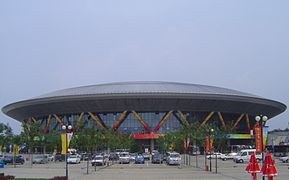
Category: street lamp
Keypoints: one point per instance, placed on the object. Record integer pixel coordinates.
(67, 129)
(261, 120)
(210, 134)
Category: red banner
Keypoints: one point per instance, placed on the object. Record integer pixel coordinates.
(258, 138)
(146, 136)
(186, 144)
(207, 144)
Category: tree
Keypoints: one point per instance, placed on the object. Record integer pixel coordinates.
(31, 134)
(5, 136)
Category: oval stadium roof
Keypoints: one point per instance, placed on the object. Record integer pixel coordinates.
(143, 96)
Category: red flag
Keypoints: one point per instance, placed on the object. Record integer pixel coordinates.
(207, 144)
(258, 138)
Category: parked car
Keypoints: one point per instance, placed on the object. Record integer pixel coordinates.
(213, 155)
(59, 157)
(284, 159)
(85, 157)
(231, 155)
(132, 156)
(50, 157)
(139, 159)
(98, 160)
(40, 159)
(9, 159)
(174, 158)
(155, 152)
(245, 154)
(124, 158)
(157, 158)
(73, 159)
(146, 156)
(113, 157)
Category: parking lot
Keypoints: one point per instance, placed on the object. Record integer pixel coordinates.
(226, 170)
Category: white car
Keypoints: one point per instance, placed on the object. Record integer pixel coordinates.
(284, 159)
(50, 157)
(73, 159)
(231, 155)
(124, 158)
(98, 160)
(174, 158)
(213, 155)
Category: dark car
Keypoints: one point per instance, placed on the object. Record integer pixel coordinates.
(59, 157)
(146, 156)
(113, 157)
(157, 158)
(9, 160)
(139, 159)
(85, 157)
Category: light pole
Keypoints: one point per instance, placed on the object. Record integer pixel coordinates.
(67, 129)
(261, 120)
(210, 134)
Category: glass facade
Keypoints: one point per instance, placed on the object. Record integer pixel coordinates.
(132, 125)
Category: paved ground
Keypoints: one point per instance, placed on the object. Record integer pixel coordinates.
(226, 170)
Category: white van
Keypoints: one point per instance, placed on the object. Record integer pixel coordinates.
(245, 154)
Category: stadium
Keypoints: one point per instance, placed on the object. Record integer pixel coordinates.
(146, 110)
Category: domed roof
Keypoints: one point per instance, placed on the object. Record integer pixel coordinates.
(144, 87)
(143, 96)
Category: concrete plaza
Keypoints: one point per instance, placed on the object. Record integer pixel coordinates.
(226, 170)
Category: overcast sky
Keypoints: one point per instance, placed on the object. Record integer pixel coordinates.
(51, 45)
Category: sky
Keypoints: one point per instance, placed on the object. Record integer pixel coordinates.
(50, 45)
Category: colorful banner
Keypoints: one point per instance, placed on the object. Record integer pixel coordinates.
(265, 134)
(63, 143)
(258, 139)
(69, 137)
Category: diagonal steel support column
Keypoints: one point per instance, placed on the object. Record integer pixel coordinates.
(248, 122)
(164, 119)
(142, 122)
(120, 120)
(207, 119)
(58, 119)
(183, 119)
(79, 120)
(237, 121)
(222, 120)
(97, 120)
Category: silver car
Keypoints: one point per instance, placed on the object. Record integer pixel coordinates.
(40, 159)
(174, 158)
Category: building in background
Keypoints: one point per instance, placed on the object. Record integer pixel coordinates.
(146, 110)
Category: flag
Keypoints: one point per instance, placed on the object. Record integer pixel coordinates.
(63, 143)
(265, 135)
(15, 149)
(258, 140)
(69, 137)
